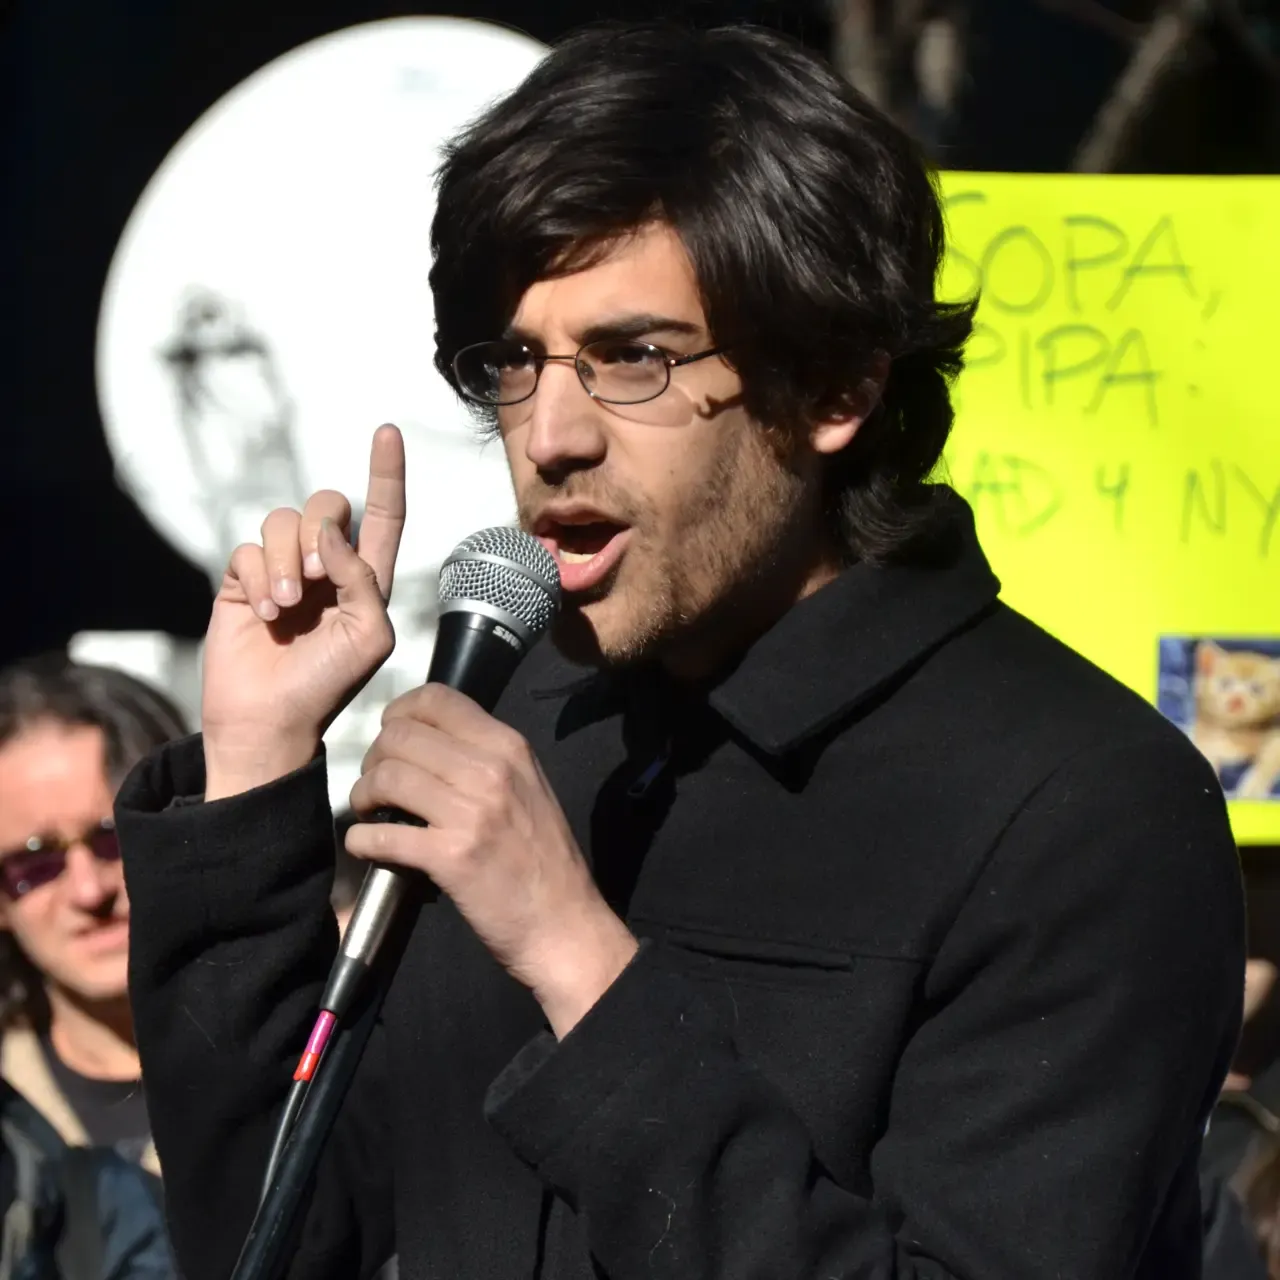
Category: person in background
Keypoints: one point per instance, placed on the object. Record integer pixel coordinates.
(1259, 985)
(69, 733)
(1258, 1185)
(1240, 1166)
(1245, 1123)
(73, 1213)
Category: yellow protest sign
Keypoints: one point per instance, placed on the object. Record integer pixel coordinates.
(1118, 437)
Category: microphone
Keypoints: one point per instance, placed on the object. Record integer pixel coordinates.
(499, 591)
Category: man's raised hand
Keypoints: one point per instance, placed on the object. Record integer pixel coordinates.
(298, 626)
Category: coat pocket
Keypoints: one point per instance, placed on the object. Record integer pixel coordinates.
(826, 1028)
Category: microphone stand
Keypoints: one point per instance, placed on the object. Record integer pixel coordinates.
(268, 1245)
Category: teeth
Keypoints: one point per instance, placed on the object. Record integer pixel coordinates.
(576, 557)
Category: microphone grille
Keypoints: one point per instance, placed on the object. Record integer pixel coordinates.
(503, 569)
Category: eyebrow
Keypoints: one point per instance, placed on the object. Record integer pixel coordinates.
(620, 328)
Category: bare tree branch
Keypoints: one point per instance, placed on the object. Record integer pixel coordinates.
(857, 53)
(1235, 22)
(1093, 13)
(1156, 55)
(900, 52)
(939, 62)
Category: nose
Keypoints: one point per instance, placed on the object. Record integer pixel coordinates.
(88, 882)
(566, 431)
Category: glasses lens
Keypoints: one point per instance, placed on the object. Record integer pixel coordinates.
(30, 868)
(623, 372)
(104, 842)
(496, 372)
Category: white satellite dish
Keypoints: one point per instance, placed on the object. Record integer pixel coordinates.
(267, 307)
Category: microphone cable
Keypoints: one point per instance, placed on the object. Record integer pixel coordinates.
(499, 590)
(381, 895)
(270, 1239)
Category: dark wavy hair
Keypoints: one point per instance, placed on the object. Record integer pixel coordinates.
(812, 221)
(134, 719)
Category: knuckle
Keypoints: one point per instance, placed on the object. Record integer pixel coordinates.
(247, 556)
(493, 776)
(470, 814)
(511, 746)
(460, 843)
(434, 695)
(362, 582)
(419, 704)
(382, 778)
(279, 519)
(398, 735)
(400, 707)
(327, 502)
(371, 757)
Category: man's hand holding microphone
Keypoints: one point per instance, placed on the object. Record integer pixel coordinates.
(299, 625)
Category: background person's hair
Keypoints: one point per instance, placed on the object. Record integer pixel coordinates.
(812, 222)
(134, 718)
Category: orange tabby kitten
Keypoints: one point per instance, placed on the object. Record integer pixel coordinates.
(1238, 715)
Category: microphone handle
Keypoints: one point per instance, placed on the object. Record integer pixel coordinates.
(476, 654)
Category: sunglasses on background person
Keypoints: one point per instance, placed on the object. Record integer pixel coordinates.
(42, 859)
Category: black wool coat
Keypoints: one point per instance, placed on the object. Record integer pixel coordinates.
(942, 968)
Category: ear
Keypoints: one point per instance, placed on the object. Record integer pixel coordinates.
(835, 429)
(1207, 655)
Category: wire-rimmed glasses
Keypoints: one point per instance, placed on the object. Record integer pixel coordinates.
(611, 370)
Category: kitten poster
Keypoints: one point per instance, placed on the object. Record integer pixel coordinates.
(1225, 693)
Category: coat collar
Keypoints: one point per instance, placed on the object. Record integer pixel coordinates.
(842, 646)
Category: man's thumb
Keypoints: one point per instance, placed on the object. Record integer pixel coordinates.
(355, 581)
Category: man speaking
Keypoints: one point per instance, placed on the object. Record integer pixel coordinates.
(804, 911)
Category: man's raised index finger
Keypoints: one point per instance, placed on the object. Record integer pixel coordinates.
(382, 522)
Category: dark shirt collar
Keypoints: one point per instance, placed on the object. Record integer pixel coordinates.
(849, 640)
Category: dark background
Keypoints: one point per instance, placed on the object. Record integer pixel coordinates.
(93, 95)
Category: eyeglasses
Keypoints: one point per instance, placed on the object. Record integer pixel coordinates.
(613, 371)
(39, 861)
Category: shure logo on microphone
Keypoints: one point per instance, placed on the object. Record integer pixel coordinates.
(503, 634)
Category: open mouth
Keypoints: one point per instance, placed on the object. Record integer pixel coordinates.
(586, 544)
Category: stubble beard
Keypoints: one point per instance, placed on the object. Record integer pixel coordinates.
(695, 596)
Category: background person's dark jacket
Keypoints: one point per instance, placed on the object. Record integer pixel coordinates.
(944, 969)
(73, 1213)
(1231, 1247)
